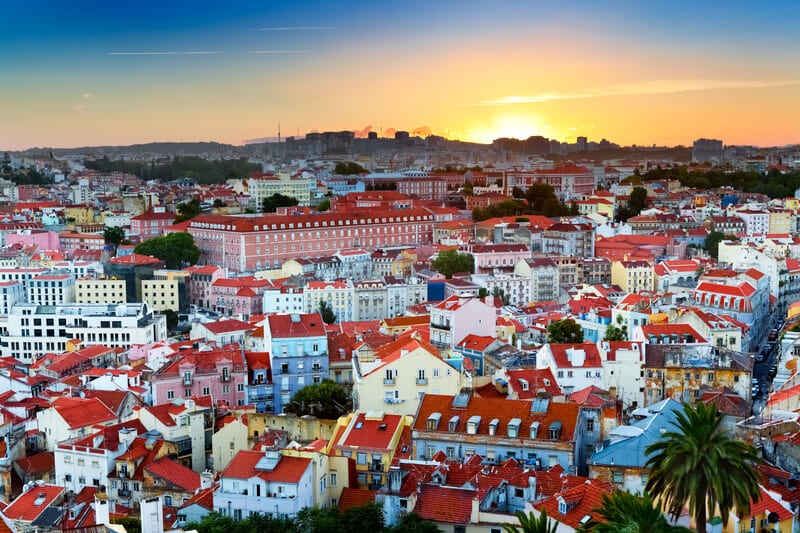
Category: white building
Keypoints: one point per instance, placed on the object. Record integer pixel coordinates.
(456, 317)
(33, 330)
(88, 461)
(623, 362)
(52, 289)
(575, 366)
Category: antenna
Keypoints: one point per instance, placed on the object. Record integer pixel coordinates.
(279, 132)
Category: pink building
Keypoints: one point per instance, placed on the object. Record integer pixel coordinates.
(150, 224)
(201, 279)
(239, 296)
(490, 257)
(569, 181)
(43, 240)
(72, 241)
(250, 243)
(218, 371)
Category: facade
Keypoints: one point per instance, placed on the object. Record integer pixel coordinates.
(161, 294)
(264, 482)
(566, 238)
(492, 257)
(100, 291)
(456, 317)
(35, 330)
(575, 366)
(298, 348)
(623, 363)
(541, 433)
(543, 275)
(633, 276)
(11, 294)
(201, 279)
(251, 243)
(395, 378)
(570, 182)
(53, 289)
(151, 224)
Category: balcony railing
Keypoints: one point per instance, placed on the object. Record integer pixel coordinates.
(389, 381)
(441, 326)
(124, 493)
(376, 467)
(422, 381)
(225, 377)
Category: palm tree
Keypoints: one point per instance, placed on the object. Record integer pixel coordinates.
(700, 466)
(530, 523)
(624, 512)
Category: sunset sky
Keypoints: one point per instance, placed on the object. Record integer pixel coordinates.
(96, 73)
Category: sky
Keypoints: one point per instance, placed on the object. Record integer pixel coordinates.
(83, 73)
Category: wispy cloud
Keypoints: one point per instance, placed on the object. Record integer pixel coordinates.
(168, 53)
(642, 88)
(279, 51)
(86, 96)
(297, 28)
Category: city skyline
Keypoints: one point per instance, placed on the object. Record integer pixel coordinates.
(97, 74)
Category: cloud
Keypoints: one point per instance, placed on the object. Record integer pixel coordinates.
(79, 107)
(279, 51)
(296, 28)
(86, 96)
(167, 53)
(642, 88)
(360, 134)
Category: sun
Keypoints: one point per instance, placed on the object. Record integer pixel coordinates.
(513, 126)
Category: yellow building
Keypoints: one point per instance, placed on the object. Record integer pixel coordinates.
(769, 513)
(780, 221)
(161, 294)
(79, 214)
(371, 439)
(400, 324)
(332, 472)
(633, 276)
(100, 291)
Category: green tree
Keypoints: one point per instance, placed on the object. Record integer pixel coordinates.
(564, 331)
(627, 513)
(618, 332)
(497, 292)
(272, 203)
(319, 520)
(698, 465)
(413, 523)
(114, 236)
(368, 517)
(637, 200)
(538, 194)
(324, 205)
(327, 400)
(187, 210)
(328, 316)
(711, 242)
(172, 319)
(530, 523)
(177, 250)
(483, 292)
(450, 262)
(348, 168)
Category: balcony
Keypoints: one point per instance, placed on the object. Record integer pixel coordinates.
(441, 326)
(124, 493)
(422, 381)
(389, 381)
(225, 377)
(376, 467)
(187, 380)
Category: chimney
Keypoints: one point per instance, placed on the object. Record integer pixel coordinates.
(395, 479)
(101, 511)
(126, 436)
(206, 479)
(152, 511)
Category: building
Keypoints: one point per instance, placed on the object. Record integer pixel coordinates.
(633, 276)
(575, 366)
(570, 182)
(161, 294)
(707, 150)
(34, 330)
(267, 483)
(544, 278)
(253, 243)
(100, 291)
(298, 348)
(72, 418)
(489, 258)
(52, 289)
(201, 279)
(623, 364)
(541, 433)
(456, 317)
(569, 239)
(151, 224)
(399, 373)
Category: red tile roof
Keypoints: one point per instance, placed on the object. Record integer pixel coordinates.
(293, 326)
(445, 504)
(134, 259)
(204, 498)
(81, 412)
(767, 504)
(369, 433)
(29, 505)
(580, 500)
(287, 470)
(355, 498)
(37, 464)
(563, 355)
(537, 380)
(175, 473)
(228, 325)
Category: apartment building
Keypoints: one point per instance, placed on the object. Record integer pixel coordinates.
(100, 291)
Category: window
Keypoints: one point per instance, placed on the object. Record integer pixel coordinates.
(240, 387)
(569, 373)
(226, 389)
(451, 452)
(361, 458)
(618, 476)
(560, 374)
(333, 479)
(322, 483)
(590, 424)
(206, 391)
(67, 477)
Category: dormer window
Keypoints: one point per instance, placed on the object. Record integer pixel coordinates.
(433, 421)
(473, 424)
(493, 426)
(562, 506)
(555, 430)
(534, 429)
(452, 425)
(513, 427)
(523, 383)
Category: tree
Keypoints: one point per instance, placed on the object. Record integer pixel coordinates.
(114, 236)
(272, 203)
(327, 400)
(177, 250)
(626, 512)
(187, 210)
(637, 200)
(348, 168)
(497, 292)
(413, 523)
(564, 331)
(711, 243)
(172, 319)
(324, 205)
(318, 520)
(618, 332)
(698, 465)
(328, 316)
(368, 517)
(449, 262)
(530, 523)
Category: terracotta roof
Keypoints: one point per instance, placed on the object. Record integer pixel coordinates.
(175, 473)
(288, 469)
(767, 504)
(369, 433)
(296, 325)
(444, 504)
(204, 498)
(37, 464)
(537, 380)
(355, 498)
(581, 501)
(563, 355)
(81, 412)
(134, 259)
(29, 505)
(228, 325)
